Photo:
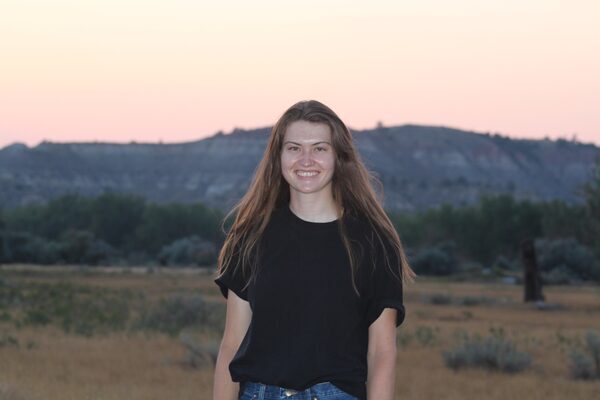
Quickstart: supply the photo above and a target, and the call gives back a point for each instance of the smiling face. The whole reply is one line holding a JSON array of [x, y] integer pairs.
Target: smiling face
[[308, 159]]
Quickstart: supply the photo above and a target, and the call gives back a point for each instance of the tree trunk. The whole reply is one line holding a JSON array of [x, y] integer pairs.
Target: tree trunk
[[532, 281]]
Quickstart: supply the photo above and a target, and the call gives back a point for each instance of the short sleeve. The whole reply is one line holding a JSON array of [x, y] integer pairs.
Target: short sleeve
[[232, 279], [385, 289]]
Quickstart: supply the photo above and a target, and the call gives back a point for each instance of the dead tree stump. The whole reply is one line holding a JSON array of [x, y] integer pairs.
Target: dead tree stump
[[532, 281]]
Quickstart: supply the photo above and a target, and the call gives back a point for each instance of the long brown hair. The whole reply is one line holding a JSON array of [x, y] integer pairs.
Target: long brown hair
[[352, 192]]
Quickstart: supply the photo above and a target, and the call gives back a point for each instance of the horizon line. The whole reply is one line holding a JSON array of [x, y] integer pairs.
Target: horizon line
[[353, 130]]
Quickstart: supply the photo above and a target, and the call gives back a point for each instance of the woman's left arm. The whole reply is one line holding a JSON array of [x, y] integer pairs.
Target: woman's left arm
[[381, 356]]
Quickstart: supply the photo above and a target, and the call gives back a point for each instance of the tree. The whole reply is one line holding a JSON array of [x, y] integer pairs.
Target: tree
[[591, 192], [115, 217], [70, 211], [164, 223]]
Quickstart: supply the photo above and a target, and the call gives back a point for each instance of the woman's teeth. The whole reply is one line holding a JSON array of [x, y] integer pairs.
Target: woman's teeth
[[302, 173]]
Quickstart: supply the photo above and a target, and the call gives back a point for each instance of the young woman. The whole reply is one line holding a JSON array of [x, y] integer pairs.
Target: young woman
[[312, 269]]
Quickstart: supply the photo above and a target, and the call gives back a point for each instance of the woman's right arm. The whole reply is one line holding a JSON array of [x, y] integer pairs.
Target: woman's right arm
[[237, 321]]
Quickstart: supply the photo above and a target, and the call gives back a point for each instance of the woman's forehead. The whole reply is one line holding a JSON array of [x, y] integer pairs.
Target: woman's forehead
[[305, 131]]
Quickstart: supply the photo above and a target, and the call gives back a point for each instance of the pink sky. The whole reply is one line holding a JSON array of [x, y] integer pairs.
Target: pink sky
[[149, 70]]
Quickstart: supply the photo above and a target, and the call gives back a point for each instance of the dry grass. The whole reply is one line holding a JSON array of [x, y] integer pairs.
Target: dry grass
[[140, 366]]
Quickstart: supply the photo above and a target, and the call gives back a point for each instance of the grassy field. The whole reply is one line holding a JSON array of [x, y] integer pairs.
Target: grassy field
[[52, 349]]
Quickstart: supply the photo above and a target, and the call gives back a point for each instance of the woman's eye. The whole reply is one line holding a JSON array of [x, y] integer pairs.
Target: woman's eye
[[321, 149], [293, 148]]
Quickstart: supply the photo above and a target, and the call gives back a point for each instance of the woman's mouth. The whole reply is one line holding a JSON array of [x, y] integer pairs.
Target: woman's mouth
[[306, 174]]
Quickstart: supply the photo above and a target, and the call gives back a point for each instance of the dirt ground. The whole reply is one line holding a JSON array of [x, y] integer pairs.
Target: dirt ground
[[50, 364]]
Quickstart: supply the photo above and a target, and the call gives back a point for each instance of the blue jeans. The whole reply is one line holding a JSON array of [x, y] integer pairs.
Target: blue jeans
[[319, 391]]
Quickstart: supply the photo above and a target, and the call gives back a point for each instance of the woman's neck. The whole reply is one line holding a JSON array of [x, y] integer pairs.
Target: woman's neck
[[314, 209]]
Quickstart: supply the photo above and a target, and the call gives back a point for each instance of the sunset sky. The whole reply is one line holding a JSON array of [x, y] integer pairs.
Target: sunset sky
[[180, 70]]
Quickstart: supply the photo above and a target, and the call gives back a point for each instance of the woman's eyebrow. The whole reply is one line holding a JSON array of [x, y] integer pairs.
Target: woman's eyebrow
[[314, 144]]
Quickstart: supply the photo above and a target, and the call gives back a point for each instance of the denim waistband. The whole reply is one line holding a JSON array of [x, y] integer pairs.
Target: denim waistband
[[262, 391]]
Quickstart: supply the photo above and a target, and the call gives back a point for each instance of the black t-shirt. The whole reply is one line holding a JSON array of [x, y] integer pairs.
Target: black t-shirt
[[308, 325]]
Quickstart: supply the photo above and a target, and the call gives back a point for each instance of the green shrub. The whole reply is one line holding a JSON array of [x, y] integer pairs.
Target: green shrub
[[175, 313], [42, 251], [560, 275], [444, 299], [96, 314], [425, 335], [4, 315], [502, 263], [8, 340], [200, 354], [435, 261], [83, 310], [476, 300], [403, 339], [73, 246], [16, 247], [440, 299], [586, 365], [82, 247], [493, 352], [567, 260], [36, 317], [190, 250]]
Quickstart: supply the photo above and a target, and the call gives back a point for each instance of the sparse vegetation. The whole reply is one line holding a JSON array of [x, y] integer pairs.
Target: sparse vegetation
[[172, 356], [426, 335], [79, 309], [8, 340], [476, 300], [566, 261], [87, 310], [446, 299], [493, 352], [188, 251], [439, 298], [200, 354], [585, 363], [435, 261], [175, 313]]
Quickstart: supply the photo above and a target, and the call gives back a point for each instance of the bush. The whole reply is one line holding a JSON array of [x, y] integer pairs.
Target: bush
[[493, 353], [587, 365], [425, 335], [566, 259], [444, 299], [79, 309], [200, 354], [440, 299], [16, 247], [102, 312], [100, 253], [8, 340], [42, 251], [560, 275], [502, 263], [476, 300], [175, 313], [136, 258], [471, 269], [81, 247], [435, 261], [190, 250]]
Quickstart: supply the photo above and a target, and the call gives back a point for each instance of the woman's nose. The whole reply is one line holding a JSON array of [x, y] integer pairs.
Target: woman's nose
[[306, 158]]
